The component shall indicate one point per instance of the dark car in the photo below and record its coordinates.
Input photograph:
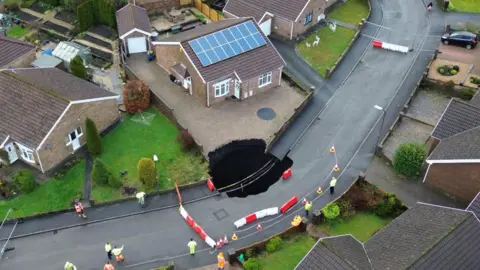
(461, 38)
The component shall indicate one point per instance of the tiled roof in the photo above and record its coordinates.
(181, 70)
(130, 17)
(31, 101)
(349, 249)
(247, 65)
(465, 145)
(457, 118)
(460, 249)
(288, 9)
(474, 205)
(12, 49)
(321, 257)
(475, 101)
(410, 236)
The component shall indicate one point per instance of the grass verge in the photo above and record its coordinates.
(126, 144)
(471, 6)
(53, 195)
(361, 225)
(329, 49)
(352, 12)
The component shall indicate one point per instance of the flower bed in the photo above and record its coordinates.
(97, 41)
(448, 70)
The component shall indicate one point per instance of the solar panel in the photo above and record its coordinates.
(227, 43)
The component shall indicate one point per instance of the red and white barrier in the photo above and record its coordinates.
(197, 228)
(255, 216)
(389, 46)
(289, 204)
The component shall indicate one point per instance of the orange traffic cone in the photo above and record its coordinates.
(225, 240)
(332, 150)
(319, 190)
(304, 201)
(259, 227)
(336, 169)
(234, 237)
(220, 243)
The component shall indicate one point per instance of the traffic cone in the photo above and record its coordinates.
(234, 237)
(259, 227)
(336, 169)
(304, 201)
(332, 150)
(220, 243)
(319, 190)
(225, 240)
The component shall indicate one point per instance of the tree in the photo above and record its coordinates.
(186, 139)
(77, 68)
(408, 158)
(101, 175)
(136, 96)
(331, 211)
(24, 180)
(94, 141)
(252, 264)
(146, 172)
(85, 15)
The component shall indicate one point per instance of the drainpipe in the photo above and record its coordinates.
(208, 94)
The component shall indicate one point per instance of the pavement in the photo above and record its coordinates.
(346, 118)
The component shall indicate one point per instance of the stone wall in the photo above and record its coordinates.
(157, 6)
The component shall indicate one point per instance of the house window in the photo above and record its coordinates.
(265, 79)
(308, 18)
(27, 154)
(222, 88)
(74, 135)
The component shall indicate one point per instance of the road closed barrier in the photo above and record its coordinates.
(255, 216)
(289, 204)
(197, 228)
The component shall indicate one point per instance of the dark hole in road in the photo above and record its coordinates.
(243, 168)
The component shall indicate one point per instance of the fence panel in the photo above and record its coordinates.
(198, 4)
(185, 2)
(220, 17)
(206, 10)
(213, 15)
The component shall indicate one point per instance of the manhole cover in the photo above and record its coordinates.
(221, 214)
(266, 114)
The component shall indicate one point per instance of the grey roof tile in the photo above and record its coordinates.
(460, 249)
(458, 117)
(321, 257)
(474, 205)
(288, 9)
(12, 49)
(465, 145)
(181, 70)
(411, 235)
(475, 101)
(130, 17)
(350, 250)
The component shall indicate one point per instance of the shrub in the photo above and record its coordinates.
(251, 264)
(50, 3)
(467, 93)
(186, 139)
(4, 157)
(101, 175)
(24, 180)
(390, 206)
(408, 158)
(146, 172)
(94, 141)
(250, 253)
(136, 96)
(456, 68)
(331, 211)
(475, 80)
(85, 15)
(449, 85)
(77, 68)
(6, 190)
(441, 70)
(274, 244)
(94, 12)
(453, 72)
(12, 5)
(346, 209)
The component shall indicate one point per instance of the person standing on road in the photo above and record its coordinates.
(108, 266)
(333, 182)
(430, 6)
(108, 249)
(308, 206)
(192, 244)
(221, 261)
(79, 209)
(70, 266)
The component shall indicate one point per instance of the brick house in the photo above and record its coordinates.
(15, 53)
(134, 30)
(43, 114)
(286, 18)
(454, 146)
(229, 58)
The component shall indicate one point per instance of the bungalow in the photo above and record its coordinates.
(229, 58)
(15, 53)
(286, 18)
(134, 29)
(454, 161)
(43, 114)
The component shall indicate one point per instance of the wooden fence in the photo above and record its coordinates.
(185, 2)
(208, 12)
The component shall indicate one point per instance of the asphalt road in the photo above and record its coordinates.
(348, 121)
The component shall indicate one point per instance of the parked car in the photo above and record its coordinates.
(461, 38)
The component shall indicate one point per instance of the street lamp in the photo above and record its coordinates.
(381, 125)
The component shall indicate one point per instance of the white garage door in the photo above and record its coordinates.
(266, 27)
(137, 45)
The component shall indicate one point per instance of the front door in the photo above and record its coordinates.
(237, 89)
(12, 154)
(75, 140)
(187, 84)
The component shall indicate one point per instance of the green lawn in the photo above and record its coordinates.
(352, 12)
(329, 49)
(17, 31)
(361, 225)
(51, 196)
(289, 255)
(472, 6)
(126, 144)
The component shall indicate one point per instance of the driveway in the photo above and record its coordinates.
(460, 54)
(225, 121)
